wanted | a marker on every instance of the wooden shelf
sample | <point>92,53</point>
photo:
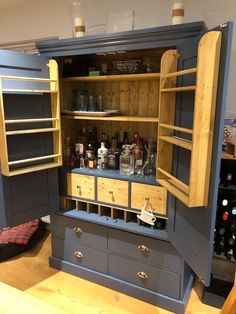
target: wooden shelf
<point>38,91</point>
<point>32,131</point>
<point>29,79</point>
<point>178,89</point>
<point>176,128</point>
<point>173,189</point>
<point>179,73</point>
<point>113,118</point>
<point>226,155</point>
<point>33,169</point>
<point>30,120</point>
<point>121,77</point>
<point>23,161</point>
<point>177,141</point>
<point>179,184</point>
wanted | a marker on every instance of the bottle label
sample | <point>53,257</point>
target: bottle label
<point>79,148</point>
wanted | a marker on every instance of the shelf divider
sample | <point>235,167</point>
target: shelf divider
<point>177,141</point>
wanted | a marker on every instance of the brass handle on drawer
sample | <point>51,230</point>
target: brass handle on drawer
<point>79,188</point>
<point>78,254</point>
<point>142,275</point>
<point>77,230</point>
<point>143,248</point>
<point>110,192</point>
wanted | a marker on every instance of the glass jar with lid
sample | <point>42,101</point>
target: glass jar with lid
<point>127,161</point>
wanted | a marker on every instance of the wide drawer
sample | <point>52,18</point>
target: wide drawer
<point>113,191</point>
<point>80,185</point>
<point>80,255</point>
<point>146,276</point>
<point>157,196</point>
<point>148,250</point>
<point>83,232</point>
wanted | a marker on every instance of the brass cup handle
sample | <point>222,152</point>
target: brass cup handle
<point>143,248</point>
<point>110,192</point>
<point>78,254</point>
<point>142,275</point>
<point>78,187</point>
<point>77,230</point>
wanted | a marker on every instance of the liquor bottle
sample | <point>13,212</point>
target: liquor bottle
<point>127,161</point>
<point>68,156</point>
<point>105,140</point>
<point>95,141</point>
<point>123,140</point>
<point>231,245</point>
<point>138,154</point>
<point>113,156</point>
<point>102,157</point>
<point>92,162</point>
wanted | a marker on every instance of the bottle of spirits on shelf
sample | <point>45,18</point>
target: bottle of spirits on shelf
<point>138,154</point>
<point>102,157</point>
<point>123,139</point>
<point>105,140</point>
<point>69,158</point>
<point>113,156</point>
<point>89,152</point>
<point>127,161</point>
<point>92,162</point>
<point>95,141</point>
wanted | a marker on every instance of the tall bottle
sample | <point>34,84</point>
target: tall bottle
<point>102,157</point>
<point>105,140</point>
<point>69,158</point>
<point>138,154</point>
<point>89,152</point>
<point>113,156</point>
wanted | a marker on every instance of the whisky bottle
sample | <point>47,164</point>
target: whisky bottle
<point>113,156</point>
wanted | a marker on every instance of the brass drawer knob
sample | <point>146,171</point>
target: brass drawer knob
<point>78,230</point>
<point>142,275</point>
<point>143,248</point>
<point>78,254</point>
<point>110,192</point>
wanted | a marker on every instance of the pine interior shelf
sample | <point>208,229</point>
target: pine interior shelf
<point>113,118</point>
<point>106,78</point>
<point>195,193</point>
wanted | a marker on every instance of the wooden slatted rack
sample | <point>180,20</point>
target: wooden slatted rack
<point>54,119</point>
<point>196,192</point>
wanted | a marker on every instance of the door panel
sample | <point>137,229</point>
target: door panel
<point>191,230</point>
<point>29,128</point>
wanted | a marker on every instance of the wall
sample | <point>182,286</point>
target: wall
<point>29,19</point>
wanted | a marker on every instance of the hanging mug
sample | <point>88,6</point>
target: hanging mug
<point>147,214</point>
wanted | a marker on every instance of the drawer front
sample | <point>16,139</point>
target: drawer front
<point>146,276</point>
<point>148,250</point>
<point>113,191</point>
<point>80,255</point>
<point>156,194</point>
<point>80,185</point>
<point>82,232</point>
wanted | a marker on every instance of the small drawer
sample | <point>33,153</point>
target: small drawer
<point>146,276</point>
<point>80,185</point>
<point>80,255</point>
<point>148,250</point>
<point>157,196</point>
<point>113,191</point>
<point>82,232</point>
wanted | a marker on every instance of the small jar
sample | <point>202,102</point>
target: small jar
<point>127,161</point>
<point>177,13</point>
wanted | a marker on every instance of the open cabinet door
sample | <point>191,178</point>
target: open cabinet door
<point>191,229</point>
<point>30,138</point>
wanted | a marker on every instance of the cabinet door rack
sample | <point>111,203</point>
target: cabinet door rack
<point>195,193</point>
<point>55,127</point>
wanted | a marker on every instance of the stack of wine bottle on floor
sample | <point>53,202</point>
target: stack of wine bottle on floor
<point>225,228</point>
<point>129,156</point>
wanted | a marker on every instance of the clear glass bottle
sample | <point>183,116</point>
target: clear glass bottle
<point>127,161</point>
<point>137,153</point>
<point>102,157</point>
<point>113,156</point>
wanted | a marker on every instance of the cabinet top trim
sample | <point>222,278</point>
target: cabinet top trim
<point>150,38</point>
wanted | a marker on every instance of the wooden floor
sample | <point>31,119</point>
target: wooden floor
<point>47,290</point>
